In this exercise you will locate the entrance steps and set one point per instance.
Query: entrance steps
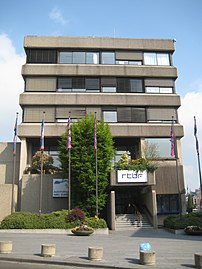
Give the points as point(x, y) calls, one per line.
point(130, 221)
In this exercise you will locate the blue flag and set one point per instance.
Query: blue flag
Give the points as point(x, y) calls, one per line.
point(195, 134)
point(15, 134)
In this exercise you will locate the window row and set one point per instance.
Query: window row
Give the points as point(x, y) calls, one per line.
point(165, 203)
point(109, 114)
point(158, 147)
point(100, 84)
point(132, 147)
point(81, 84)
point(98, 57)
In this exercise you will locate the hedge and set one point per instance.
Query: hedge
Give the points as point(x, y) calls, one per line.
point(181, 222)
point(54, 220)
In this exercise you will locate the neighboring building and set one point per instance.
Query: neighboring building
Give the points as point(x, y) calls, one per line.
point(128, 82)
point(197, 199)
point(8, 176)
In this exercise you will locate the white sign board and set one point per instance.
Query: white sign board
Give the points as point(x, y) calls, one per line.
point(60, 187)
point(131, 176)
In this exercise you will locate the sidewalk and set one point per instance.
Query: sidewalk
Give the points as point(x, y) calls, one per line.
point(121, 248)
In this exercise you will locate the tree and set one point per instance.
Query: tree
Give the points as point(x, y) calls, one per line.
point(83, 162)
point(150, 150)
point(48, 167)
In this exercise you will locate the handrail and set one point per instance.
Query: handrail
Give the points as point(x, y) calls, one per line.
point(137, 212)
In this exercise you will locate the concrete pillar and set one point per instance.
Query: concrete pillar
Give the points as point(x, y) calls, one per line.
point(23, 156)
point(154, 206)
point(95, 253)
point(6, 246)
point(23, 164)
point(112, 210)
point(48, 250)
point(147, 257)
point(198, 260)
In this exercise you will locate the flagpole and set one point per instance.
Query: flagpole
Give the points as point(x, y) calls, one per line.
point(69, 191)
point(96, 184)
point(14, 164)
point(41, 177)
point(173, 137)
point(13, 184)
point(68, 147)
point(41, 184)
point(199, 169)
point(96, 167)
point(198, 158)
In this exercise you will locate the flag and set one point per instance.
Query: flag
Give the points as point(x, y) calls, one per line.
point(42, 134)
point(172, 140)
point(68, 145)
point(15, 134)
point(95, 134)
point(195, 134)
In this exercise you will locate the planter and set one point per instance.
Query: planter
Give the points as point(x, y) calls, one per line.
point(193, 232)
point(83, 233)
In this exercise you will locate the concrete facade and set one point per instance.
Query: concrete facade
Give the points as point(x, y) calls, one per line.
point(30, 192)
point(131, 84)
point(7, 177)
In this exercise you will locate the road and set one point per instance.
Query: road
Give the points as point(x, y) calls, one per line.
point(19, 265)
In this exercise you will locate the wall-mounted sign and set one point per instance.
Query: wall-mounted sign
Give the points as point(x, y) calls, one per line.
point(60, 187)
point(131, 176)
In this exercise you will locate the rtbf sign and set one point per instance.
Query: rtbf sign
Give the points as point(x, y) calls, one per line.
point(131, 176)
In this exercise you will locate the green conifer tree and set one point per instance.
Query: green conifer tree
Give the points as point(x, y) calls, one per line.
point(83, 162)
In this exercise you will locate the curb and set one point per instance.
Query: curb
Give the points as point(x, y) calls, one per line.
point(50, 231)
point(67, 263)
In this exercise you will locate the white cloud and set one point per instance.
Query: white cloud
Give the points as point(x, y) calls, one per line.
point(56, 16)
point(191, 106)
point(11, 85)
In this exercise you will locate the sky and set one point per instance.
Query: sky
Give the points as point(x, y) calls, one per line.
point(175, 19)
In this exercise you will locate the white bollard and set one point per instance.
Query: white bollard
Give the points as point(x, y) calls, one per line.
point(6, 246)
point(47, 250)
point(95, 253)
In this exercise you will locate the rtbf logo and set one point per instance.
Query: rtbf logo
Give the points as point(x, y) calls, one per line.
point(131, 176)
point(134, 175)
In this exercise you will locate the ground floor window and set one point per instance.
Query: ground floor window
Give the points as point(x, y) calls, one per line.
point(167, 203)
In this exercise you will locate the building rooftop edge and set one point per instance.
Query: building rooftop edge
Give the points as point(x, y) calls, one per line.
point(128, 43)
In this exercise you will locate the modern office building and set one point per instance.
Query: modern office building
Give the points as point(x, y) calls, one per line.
point(128, 82)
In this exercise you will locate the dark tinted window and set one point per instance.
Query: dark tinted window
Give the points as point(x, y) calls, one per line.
point(41, 56)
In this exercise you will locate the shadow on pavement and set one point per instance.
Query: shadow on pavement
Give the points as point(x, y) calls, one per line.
point(161, 233)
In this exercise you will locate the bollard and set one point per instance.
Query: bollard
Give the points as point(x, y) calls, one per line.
point(6, 246)
point(47, 250)
point(198, 260)
point(95, 253)
point(147, 257)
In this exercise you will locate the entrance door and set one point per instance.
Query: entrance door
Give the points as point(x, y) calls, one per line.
point(126, 199)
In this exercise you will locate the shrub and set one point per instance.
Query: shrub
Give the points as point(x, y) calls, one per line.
point(19, 221)
point(76, 214)
point(95, 222)
point(180, 222)
point(27, 220)
point(140, 164)
point(54, 220)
